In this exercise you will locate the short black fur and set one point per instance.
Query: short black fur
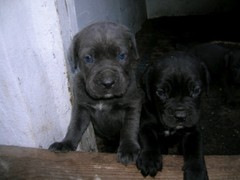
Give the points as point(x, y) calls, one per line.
point(170, 114)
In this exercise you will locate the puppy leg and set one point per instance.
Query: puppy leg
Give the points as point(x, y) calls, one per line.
point(79, 122)
point(194, 164)
point(128, 146)
point(149, 161)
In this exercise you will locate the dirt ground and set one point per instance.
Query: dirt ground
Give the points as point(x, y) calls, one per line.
point(220, 122)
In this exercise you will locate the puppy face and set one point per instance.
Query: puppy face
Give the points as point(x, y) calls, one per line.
point(104, 52)
point(175, 84)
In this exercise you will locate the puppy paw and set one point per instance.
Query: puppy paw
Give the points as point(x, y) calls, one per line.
point(149, 163)
point(195, 171)
point(61, 147)
point(128, 153)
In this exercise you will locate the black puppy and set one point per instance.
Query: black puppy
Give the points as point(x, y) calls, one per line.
point(170, 114)
point(223, 64)
point(105, 90)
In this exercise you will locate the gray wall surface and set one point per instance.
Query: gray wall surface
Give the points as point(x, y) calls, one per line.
point(158, 8)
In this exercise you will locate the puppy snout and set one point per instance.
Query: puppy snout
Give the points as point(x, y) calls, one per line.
point(180, 115)
point(107, 79)
point(108, 82)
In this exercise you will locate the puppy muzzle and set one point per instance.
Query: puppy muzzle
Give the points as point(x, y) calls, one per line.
point(107, 83)
point(107, 79)
point(179, 117)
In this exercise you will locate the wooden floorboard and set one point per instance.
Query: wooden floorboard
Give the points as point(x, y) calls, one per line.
point(29, 163)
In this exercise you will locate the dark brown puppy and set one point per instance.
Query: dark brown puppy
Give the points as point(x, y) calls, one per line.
point(105, 90)
point(223, 64)
point(170, 114)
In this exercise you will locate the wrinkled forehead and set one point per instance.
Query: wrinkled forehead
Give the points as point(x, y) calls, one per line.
point(177, 74)
point(105, 34)
point(104, 43)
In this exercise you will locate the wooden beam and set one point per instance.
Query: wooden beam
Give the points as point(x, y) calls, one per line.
point(29, 163)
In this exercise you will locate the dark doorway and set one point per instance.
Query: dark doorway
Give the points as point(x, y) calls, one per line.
point(220, 122)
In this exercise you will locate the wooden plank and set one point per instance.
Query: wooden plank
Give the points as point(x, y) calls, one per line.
point(29, 163)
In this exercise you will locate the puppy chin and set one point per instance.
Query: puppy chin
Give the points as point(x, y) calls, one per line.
point(104, 95)
point(175, 126)
point(185, 125)
point(111, 95)
point(180, 125)
point(108, 96)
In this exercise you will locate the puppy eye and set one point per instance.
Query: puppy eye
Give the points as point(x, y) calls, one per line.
point(196, 91)
point(161, 94)
point(122, 57)
point(88, 59)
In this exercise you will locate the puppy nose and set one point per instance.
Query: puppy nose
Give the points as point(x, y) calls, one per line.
point(180, 115)
point(108, 82)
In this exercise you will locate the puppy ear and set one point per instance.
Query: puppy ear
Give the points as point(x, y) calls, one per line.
point(134, 46)
point(73, 57)
point(146, 81)
point(206, 77)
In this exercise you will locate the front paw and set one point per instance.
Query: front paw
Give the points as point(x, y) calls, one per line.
point(149, 163)
point(128, 153)
point(61, 147)
point(195, 171)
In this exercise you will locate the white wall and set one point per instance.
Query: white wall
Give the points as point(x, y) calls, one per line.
point(188, 7)
point(34, 97)
point(35, 103)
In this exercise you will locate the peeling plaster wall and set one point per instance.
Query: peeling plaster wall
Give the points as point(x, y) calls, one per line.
point(34, 97)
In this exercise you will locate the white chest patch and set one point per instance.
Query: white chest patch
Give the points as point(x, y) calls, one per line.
point(99, 106)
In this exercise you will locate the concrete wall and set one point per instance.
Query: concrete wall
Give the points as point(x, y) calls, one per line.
point(131, 13)
point(35, 103)
point(34, 97)
point(188, 7)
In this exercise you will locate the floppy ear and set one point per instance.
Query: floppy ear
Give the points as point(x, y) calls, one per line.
point(146, 81)
point(73, 57)
point(134, 47)
point(206, 77)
